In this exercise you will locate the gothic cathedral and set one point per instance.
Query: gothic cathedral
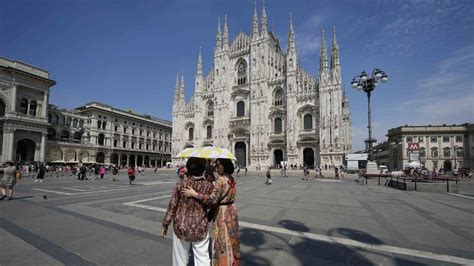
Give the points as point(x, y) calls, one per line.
point(258, 102)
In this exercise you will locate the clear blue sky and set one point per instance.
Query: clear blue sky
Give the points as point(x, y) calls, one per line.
point(127, 53)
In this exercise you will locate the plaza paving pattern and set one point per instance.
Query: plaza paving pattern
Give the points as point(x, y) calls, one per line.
point(291, 222)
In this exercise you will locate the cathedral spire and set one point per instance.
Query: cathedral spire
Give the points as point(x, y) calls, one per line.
point(264, 19)
point(177, 89)
point(218, 35)
point(182, 88)
point(199, 64)
point(334, 51)
point(255, 20)
point(323, 61)
point(226, 35)
point(291, 35)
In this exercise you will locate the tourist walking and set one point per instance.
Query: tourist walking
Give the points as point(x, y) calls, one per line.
point(131, 174)
point(41, 172)
point(102, 172)
point(269, 177)
point(9, 179)
point(189, 217)
point(225, 227)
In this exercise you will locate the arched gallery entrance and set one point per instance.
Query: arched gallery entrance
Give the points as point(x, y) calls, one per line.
point(448, 165)
point(100, 157)
point(25, 150)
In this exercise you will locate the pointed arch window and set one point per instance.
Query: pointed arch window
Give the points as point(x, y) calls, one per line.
point(240, 109)
point(278, 125)
point(308, 122)
point(278, 98)
point(209, 132)
point(242, 73)
point(210, 109)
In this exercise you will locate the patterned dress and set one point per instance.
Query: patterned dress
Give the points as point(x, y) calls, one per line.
point(225, 228)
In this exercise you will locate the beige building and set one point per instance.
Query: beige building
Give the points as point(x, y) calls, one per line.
point(24, 92)
point(97, 132)
point(445, 146)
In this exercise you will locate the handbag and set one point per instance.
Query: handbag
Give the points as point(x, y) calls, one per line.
point(214, 210)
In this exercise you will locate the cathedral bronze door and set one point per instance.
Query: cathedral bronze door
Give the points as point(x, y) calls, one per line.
point(278, 155)
point(241, 154)
point(308, 157)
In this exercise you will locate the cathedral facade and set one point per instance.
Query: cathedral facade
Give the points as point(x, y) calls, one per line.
point(258, 102)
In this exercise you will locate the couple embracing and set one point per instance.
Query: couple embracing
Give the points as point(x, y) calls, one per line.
point(194, 199)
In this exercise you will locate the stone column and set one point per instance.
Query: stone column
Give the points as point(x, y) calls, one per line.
point(13, 103)
point(8, 144)
point(45, 104)
point(136, 160)
point(43, 148)
point(128, 160)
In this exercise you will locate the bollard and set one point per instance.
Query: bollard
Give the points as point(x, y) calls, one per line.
point(415, 184)
point(379, 180)
point(447, 185)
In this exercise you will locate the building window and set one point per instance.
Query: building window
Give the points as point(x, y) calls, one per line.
point(242, 73)
point(445, 139)
point(49, 116)
point(81, 123)
point(434, 140)
point(99, 124)
point(308, 121)
point(435, 164)
point(24, 106)
point(77, 136)
point(447, 152)
point(420, 139)
point(459, 152)
point(434, 152)
point(191, 134)
point(51, 134)
point(65, 134)
point(74, 123)
point(33, 105)
point(104, 124)
point(125, 130)
point(133, 145)
point(278, 98)
point(62, 120)
point(209, 132)
point(140, 146)
point(115, 128)
point(124, 144)
point(458, 138)
point(54, 119)
point(277, 125)
point(240, 109)
point(422, 152)
point(115, 143)
point(133, 131)
point(101, 139)
point(409, 139)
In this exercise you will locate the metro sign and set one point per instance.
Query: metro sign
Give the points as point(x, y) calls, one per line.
point(413, 146)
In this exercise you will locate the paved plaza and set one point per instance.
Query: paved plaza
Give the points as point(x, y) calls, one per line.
point(291, 222)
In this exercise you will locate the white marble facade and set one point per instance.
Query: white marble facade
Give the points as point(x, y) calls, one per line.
point(258, 102)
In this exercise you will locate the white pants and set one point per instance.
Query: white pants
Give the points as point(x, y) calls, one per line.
point(200, 250)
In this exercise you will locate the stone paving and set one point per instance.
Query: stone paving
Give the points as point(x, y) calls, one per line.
point(291, 222)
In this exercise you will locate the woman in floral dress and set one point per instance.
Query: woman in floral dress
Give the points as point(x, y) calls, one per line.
point(225, 228)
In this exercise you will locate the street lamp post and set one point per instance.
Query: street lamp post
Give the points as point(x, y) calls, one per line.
point(367, 84)
point(455, 155)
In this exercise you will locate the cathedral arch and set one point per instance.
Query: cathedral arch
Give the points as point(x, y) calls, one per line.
point(25, 150)
point(240, 108)
point(241, 68)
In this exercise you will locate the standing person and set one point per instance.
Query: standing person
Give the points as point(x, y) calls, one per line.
point(131, 174)
point(225, 227)
point(269, 176)
point(40, 176)
point(245, 170)
point(102, 172)
point(96, 172)
point(336, 172)
point(8, 180)
point(189, 217)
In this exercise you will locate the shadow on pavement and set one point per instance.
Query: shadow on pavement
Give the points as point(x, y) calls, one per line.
point(354, 235)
